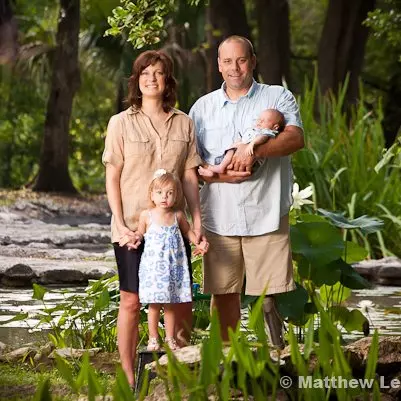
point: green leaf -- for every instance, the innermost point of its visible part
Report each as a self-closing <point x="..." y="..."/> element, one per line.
<point x="16" y="318"/>
<point x="334" y="294"/>
<point x="327" y="274"/>
<point x="43" y="391"/>
<point x="354" y="253"/>
<point x="66" y="372"/>
<point x="371" y="363"/>
<point x="291" y="304"/>
<point x="320" y="243"/>
<point x="366" y="224"/>
<point x="38" y="292"/>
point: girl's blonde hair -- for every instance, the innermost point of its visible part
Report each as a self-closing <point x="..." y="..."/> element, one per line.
<point x="161" y="182"/>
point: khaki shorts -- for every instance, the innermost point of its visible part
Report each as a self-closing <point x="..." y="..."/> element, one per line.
<point x="265" y="260"/>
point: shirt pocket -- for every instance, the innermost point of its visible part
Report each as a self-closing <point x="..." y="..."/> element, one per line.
<point x="214" y="137"/>
<point x="137" y="144"/>
<point x="178" y="143"/>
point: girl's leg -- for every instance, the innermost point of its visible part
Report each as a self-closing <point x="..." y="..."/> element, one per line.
<point x="153" y="320"/>
<point x="169" y="324"/>
<point x="169" y="320"/>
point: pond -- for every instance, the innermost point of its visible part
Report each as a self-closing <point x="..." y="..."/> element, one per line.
<point x="385" y="315"/>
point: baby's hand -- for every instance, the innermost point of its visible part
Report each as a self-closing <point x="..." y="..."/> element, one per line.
<point x="201" y="248"/>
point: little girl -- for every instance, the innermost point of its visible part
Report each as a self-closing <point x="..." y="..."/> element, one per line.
<point x="163" y="271"/>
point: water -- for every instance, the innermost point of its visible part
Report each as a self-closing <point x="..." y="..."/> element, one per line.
<point x="385" y="315"/>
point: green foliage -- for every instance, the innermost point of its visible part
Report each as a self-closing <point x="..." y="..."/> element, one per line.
<point x="339" y="158"/>
<point x="143" y="20"/>
<point x="386" y="23"/>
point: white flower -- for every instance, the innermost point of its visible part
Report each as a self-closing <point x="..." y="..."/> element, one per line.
<point x="158" y="173"/>
<point x="300" y="198"/>
<point x="365" y="305"/>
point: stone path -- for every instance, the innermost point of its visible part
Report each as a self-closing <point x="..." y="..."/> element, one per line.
<point x="34" y="249"/>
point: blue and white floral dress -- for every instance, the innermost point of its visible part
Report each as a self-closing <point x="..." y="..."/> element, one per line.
<point x="163" y="271"/>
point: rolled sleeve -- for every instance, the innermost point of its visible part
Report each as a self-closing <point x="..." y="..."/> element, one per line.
<point x="114" y="145"/>
<point x="289" y="107"/>
<point x="193" y="159"/>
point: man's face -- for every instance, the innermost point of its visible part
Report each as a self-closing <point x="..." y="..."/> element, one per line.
<point x="236" y="65"/>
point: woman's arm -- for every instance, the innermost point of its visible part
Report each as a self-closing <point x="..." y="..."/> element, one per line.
<point x="113" y="190"/>
<point x="191" y="193"/>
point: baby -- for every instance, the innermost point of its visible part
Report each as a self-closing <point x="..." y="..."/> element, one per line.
<point x="269" y="123"/>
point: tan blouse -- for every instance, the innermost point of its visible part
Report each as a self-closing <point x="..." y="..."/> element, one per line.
<point x="134" y="145"/>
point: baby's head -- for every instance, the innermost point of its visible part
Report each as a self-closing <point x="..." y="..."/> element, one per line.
<point x="271" y="119"/>
<point x="165" y="190"/>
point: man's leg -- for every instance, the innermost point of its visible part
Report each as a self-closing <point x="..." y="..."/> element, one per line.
<point x="127" y="332"/>
<point x="223" y="276"/>
<point x="229" y="311"/>
<point x="268" y="265"/>
<point x="274" y="322"/>
<point x="183" y="323"/>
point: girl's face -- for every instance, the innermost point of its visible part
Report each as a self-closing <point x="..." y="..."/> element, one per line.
<point x="164" y="197"/>
<point x="152" y="80"/>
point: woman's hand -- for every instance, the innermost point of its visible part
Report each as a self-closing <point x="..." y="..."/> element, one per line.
<point x="199" y="235"/>
<point x="201" y="248"/>
<point x="129" y="238"/>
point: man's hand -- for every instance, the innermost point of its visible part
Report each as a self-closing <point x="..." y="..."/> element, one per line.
<point x="241" y="161"/>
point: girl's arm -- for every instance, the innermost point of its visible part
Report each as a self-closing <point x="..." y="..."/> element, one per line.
<point x="203" y="245"/>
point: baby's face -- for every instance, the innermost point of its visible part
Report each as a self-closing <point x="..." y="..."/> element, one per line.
<point x="267" y="119"/>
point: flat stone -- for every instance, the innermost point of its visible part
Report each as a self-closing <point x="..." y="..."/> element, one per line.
<point x="382" y="271"/>
<point x="73" y="353"/>
<point x="18" y="275"/>
<point x="19" y="354"/>
<point x="49" y="271"/>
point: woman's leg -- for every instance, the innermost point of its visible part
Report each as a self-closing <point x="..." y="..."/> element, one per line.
<point x="127" y="332"/>
<point x="153" y="320"/>
<point x="183" y="323"/>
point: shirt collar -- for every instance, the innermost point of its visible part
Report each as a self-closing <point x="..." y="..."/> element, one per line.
<point x="224" y="99"/>
<point x="133" y="110"/>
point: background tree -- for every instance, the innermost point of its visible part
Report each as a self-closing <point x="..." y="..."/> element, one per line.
<point x="342" y="45"/>
<point x="274" y="41"/>
<point x="53" y="168"/>
<point x="8" y="33"/>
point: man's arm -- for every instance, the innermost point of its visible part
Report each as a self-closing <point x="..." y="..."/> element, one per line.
<point x="233" y="177"/>
<point x="284" y="144"/>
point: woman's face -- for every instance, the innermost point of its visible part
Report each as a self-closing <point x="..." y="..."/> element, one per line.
<point x="152" y="81"/>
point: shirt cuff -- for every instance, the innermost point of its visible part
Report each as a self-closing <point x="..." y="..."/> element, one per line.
<point x="193" y="162"/>
<point x="109" y="157"/>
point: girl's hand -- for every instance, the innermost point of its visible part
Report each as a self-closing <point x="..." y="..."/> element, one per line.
<point x="202" y="247"/>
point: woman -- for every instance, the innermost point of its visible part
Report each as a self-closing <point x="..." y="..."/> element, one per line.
<point x="149" y="135"/>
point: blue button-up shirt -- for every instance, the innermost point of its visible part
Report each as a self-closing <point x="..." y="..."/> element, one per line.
<point x="253" y="207"/>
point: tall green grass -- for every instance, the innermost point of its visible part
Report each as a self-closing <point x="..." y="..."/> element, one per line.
<point x="339" y="158"/>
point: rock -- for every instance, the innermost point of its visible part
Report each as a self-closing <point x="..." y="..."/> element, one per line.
<point x="61" y="275"/>
<point x="386" y="271"/>
<point x="49" y="271"/>
<point x="389" y="354"/>
<point x="19" y="354"/>
<point x="73" y="353"/>
<point x="19" y="275"/>
<point x="3" y="347"/>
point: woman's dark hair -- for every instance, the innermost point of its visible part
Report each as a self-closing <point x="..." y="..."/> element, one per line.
<point x="145" y="59"/>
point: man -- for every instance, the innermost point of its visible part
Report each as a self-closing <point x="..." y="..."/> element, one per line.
<point x="245" y="214"/>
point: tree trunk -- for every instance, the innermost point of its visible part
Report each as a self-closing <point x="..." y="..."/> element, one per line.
<point x="8" y="34"/>
<point x="342" y="46"/>
<point x="274" y="40"/>
<point x="224" y="18"/>
<point x="53" y="170"/>
<point x="392" y="117"/>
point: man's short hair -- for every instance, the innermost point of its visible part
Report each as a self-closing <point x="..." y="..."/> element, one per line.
<point x="236" y="38"/>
